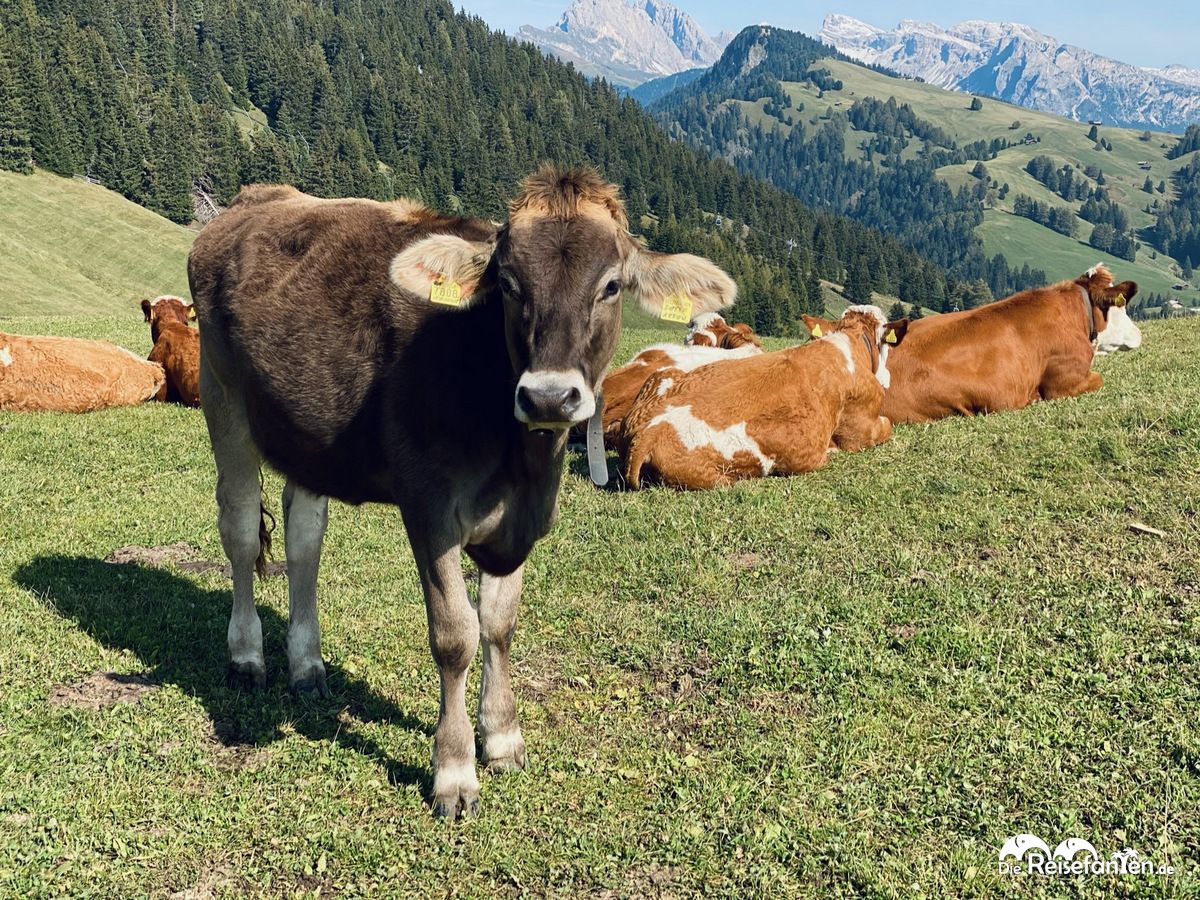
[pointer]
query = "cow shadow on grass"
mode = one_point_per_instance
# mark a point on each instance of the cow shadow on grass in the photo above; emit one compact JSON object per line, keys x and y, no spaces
{"x":177,"y":630}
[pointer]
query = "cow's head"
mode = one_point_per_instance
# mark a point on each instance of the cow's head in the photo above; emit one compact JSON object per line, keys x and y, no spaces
{"x":561,"y":264}
{"x":166,"y":308}
{"x":1114,"y":330}
{"x":711,"y":330}
{"x":868,"y":325}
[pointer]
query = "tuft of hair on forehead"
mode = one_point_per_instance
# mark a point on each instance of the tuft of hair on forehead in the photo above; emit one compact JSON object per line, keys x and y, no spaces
{"x":566,"y":193}
{"x":1099,"y":273}
{"x":867,"y":309}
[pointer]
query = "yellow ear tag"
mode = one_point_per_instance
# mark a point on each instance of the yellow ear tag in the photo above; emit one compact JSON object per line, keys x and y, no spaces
{"x":677,"y":308}
{"x":445,"y":292}
{"x":191,"y":312}
{"x":890,"y":337}
{"x":817,"y":332}
{"x":1120,"y":300}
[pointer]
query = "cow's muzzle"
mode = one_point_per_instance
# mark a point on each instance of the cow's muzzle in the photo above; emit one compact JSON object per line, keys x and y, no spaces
{"x":553,"y":399}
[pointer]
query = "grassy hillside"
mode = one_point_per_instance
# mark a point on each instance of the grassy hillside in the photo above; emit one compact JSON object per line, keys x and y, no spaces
{"x":72,"y":248}
{"x":854,"y":683}
{"x":1062,"y":140}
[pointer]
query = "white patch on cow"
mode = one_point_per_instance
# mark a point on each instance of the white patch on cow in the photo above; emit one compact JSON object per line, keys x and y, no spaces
{"x":701,"y":325}
{"x":162,"y":297}
{"x":882,"y":374}
{"x":5,"y":356}
{"x":869,"y":310}
{"x":505,"y":745}
{"x":554,"y":380}
{"x":665,"y":385}
{"x":842,"y":342}
{"x":695,"y":433}
{"x":1119,"y":334}
{"x":448,"y":779}
{"x":688,"y":358}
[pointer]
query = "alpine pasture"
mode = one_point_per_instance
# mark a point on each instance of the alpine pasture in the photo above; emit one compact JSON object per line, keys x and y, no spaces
{"x":858,"y":682}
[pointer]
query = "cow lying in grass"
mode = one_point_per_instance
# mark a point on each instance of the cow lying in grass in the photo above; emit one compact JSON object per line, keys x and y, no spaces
{"x":1036,"y":345}
{"x":709,"y":339}
{"x":711,"y":330}
{"x":771,"y":414}
{"x":176,"y":347}
{"x":55,"y":374}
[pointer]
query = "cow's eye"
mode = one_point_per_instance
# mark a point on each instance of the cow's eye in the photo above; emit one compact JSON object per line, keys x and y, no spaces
{"x":508,"y":284}
{"x":611,"y":289}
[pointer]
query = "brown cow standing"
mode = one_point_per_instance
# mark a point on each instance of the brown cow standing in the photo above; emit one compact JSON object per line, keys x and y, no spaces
{"x":1038,"y":344}
{"x":176,"y":347}
{"x":382,"y":352}
{"x":772,"y":414}
{"x":56,"y":374}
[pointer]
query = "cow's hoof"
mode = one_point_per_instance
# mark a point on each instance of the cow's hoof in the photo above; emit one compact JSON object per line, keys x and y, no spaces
{"x":311,"y":684}
{"x":456,"y":793}
{"x":504,"y":752}
{"x":247,"y":676}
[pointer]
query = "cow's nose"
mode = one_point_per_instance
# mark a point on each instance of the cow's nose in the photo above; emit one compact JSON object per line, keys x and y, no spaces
{"x":549,"y":404}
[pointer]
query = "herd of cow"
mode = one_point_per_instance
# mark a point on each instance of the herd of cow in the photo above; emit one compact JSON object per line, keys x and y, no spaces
{"x":383,"y":352}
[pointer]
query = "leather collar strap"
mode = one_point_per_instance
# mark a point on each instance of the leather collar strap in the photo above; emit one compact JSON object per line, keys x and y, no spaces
{"x":872,"y":353}
{"x":1089,"y":313}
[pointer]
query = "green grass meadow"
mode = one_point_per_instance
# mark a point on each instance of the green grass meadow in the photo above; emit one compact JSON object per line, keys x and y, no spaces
{"x":856,"y":683}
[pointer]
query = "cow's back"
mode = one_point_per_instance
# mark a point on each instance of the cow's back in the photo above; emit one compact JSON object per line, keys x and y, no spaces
{"x":56,"y":374}
{"x":299,"y":317}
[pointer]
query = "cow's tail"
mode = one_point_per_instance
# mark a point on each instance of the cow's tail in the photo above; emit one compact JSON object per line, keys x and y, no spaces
{"x":266,"y":524}
{"x":637,"y":451}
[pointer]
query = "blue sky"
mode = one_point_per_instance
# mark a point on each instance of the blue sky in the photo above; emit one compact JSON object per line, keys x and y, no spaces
{"x":1146,"y":33}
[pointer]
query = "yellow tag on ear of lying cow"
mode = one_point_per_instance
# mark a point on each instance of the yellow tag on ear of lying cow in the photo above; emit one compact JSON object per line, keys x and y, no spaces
{"x":677,"y":308}
{"x":191,"y":312}
{"x":890,"y":337}
{"x":1119,"y":301}
{"x":817,"y":332}
{"x":445,"y":291}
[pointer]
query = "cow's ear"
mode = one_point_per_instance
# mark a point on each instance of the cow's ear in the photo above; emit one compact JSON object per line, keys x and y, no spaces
{"x":441,"y":267}
{"x":654,"y":277}
{"x":1120,"y":294}
{"x":817,"y":328}
{"x":146,"y":306}
{"x":894,"y":331}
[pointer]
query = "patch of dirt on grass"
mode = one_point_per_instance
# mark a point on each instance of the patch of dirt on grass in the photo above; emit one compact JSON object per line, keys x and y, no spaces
{"x":154,"y":557}
{"x":216,"y":882}
{"x":183,"y":556}
{"x":650,"y":880}
{"x":101,"y":690}
{"x":747,"y":561}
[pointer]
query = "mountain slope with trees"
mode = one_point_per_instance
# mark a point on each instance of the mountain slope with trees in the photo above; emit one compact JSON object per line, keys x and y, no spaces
{"x":931,"y":166}
{"x":167,"y":100}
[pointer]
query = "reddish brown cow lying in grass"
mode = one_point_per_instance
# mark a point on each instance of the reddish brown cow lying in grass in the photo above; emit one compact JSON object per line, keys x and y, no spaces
{"x":622,"y":386}
{"x":771,"y":414}
{"x":55,"y":374}
{"x":176,"y":347}
{"x":1038,"y":344}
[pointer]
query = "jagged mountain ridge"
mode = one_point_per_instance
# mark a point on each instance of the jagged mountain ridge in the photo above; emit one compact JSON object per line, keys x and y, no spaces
{"x":1019,"y":64}
{"x":628,"y":44}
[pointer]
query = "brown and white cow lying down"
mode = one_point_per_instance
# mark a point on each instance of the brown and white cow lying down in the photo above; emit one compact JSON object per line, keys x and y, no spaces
{"x":56,"y":374}
{"x":382,"y":352}
{"x":176,"y":347}
{"x":771,"y":414}
{"x":1038,"y":344}
{"x":711,"y":330}
{"x":622,"y":385}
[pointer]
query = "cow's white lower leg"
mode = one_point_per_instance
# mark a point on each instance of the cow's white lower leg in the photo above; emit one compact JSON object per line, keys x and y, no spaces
{"x":239,"y":517}
{"x":453,"y":640}
{"x":305,"y":517}
{"x":500,"y":737}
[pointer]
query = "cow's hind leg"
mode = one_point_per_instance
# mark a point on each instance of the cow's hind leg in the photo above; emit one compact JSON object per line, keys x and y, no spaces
{"x":240,"y":521}
{"x":453,"y":640}
{"x":305,"y":516}
{"x":499,"y":731}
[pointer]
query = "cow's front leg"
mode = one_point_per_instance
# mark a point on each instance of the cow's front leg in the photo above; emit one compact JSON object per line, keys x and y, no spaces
{"x":499,"y":731}
{"x":453,"y":638}
{"x":305,"y":517}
